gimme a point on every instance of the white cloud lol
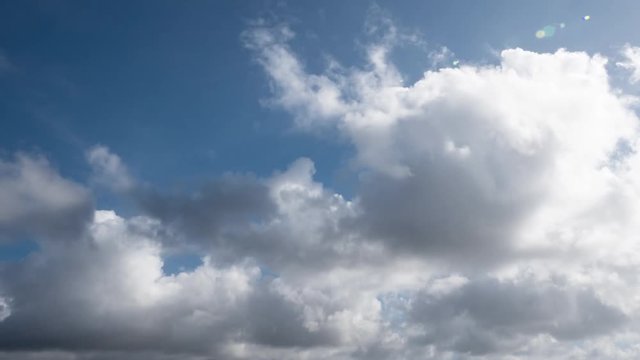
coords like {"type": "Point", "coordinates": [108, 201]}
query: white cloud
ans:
{"type": "Point", "coordinates": [631, 62]}
{"type": "Point", "coordinates": [486, 148]}
{"type": "Point", "coordinates": [442, 57]}
{"type": "Point", "coordinates": [310, 94]}
{"type": "Point", "coordinates": [496, 217]}
{"type": "Point", "coordinates": [109, 291]}
{"type": "Point", "coordinates": [108, 169]}
{"type": "Point", "coordinates": [504, 169]}
{"type": "Point", "coordinates": [112, 283]}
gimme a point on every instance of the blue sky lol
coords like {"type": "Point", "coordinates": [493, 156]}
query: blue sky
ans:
{"type": "Point", "coordinates": [320, 180]}
{"type": "Point", "coordinates": [172, 89]}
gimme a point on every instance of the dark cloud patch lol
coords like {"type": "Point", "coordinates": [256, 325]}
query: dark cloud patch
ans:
{"type": "Point", "coordinates": [106, 293]}
{"type": "Point", "coordinates": [284, 222]}
{"type": "Point", "coordinates": [75, 299]}
{"type": "Point", "coordinates": [489, 316]}
{"type": "Point", "coordinates": [227, 202]}
{"type": "Point", "coordinates": [461, 201]}
{"type": "Point", "coordinates": [35, 201]}
{"type": "Point", "coordinates": [275, 321]}
{"type": "Point", "coordinates": [437, 213]}
{"type": "Point", "coordinates": [97, 355]}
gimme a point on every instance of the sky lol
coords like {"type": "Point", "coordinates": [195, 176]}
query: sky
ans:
{"type": "Point", "coordinates": [319, 180]}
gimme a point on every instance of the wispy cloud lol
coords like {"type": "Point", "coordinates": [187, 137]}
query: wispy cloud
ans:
{"type": "Point", "coordinates": [631, 62]}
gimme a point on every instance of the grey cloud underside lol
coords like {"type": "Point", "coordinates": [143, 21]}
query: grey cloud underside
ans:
{"type": "Point", "coordinates": [91, 296]}
{"type": "Point", "coordinates": [94, 355]}
{"type": "Point", "coordinates": [439, 212]}
{"type": "Point", "coordinates": [487, 316]}
{"type": "Point", "coordinates": [240, 216]}
{"type": "Point", "coordinates": [104, 293]}
{"type": "Point", "coordinates": [224, 202]}
{"type": "Point", "coordinates": [98, 291]}
{"type": "Point", "coordinates": [37, 202]}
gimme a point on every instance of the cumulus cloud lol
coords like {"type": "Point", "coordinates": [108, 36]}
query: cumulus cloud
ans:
{"type": "Point", "coordinates": [461, 161]}
{"type": "Point", "coordinates": [488, 315]}
{"type": "Point", "coordinates": [495, 216]}
{"type": "Point", "coordinates": [528, 164]}
{"type": "Point", "coordinates": [288, 221]}
{"type": "Point", "coordinates": [107, 291]}
{"type": "Point", "coordinates": [104, 292]}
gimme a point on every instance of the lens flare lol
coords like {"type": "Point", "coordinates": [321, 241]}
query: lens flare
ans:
{"type": "Point", "coordinates": [549, 30]}
{"type": "Point", "coordinates": [586, 18]}
{"type": "Point", "coordinates": [545, 32]}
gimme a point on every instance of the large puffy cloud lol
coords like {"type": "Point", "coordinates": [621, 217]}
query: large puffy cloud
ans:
{"type": "Point", "coordinates": [107, 291]}
{"type": "Point", "coordinates": [525, 166]}
{"type": "Point", "coordinates": [470, 160]}
{"type": "Point", "coordinates": [104, 293]}
{"type": "Point", "coordinates": [483, 148]}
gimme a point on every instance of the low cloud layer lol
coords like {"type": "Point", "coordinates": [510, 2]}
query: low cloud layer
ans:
{"type": "Point", "coordinates": [495, 217]}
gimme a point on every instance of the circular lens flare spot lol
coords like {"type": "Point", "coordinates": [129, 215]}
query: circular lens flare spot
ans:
{"type": "Point", "coordinates": [549, 30]}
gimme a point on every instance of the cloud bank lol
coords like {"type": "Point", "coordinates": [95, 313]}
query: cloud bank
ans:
{"type": "Point", "coordinates": [495, 217]}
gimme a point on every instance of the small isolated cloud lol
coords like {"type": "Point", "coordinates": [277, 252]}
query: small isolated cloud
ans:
{"type": "Point", "coordinates": [108, 169]}
{"type": "Point", "coordinates": [311, 94]}
{"type": "Point", "coordinates": [442, 57]}
{"type": "Point", "coordinates": [631, 62]}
